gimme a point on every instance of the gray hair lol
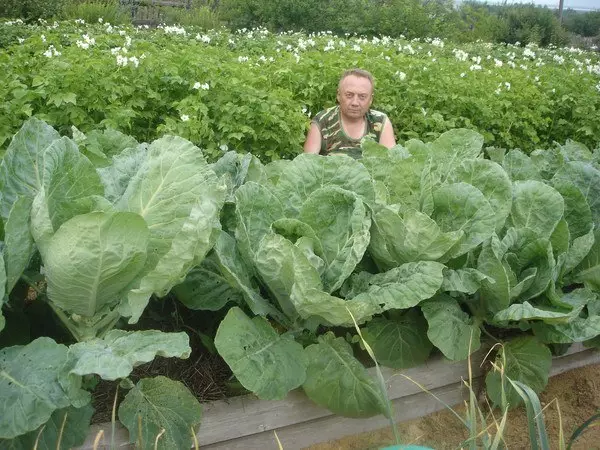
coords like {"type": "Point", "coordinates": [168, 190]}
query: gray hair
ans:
{"type": "Point", "coordinates": [357, 73]}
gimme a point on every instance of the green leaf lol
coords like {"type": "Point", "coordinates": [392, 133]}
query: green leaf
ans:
{"type": "Point", "coordinates": [197, 236]}
{"type": "Point", "coordinates": [109, 142]}
{"type": "Point", "coordinates": [281, 265]}
{"type": "Point", "coordinates": [307, 173]}
{"type": "Point", "coordinates": [527, 311]}
{"type": "Point", "coordinates": [577, 211]}
{"type": "Point", "coordinates": [256, 209]}
{"type": "Point", "coordinates": [116, 176]}
{"type": "Point", "coordinates": [527, 361]}
{"type": "Point", "coordinates": [495, 295]}
{"type": "Point", "coordinates": [547, 161]}
{"type": "Point", "coordinates": [491, 179]}
{"type": "Point", "coordinates": [575, 151]}
{"type": "Point", "coordinates": [71, 424]}
{"type": "Point", "coordinates": [238, 275]}
{"type": "Point", "coordinates": [560, 238]}
{"type": "Point", "coordinates": [403, 287]}
{"type": "Point", "coordinates": [172, 190]}
{"type": "Point", "coordinates": [264, 362]}
{"type": "Point", "coordinates": [457, 145]}
{"type": "Point", "coordinates": [20, 170]}
{"type": "Point", "coordinates": [450, 329]}
{"type": "Point", "coordinates": [411, 237]}
{"type": "Point", "coordinates": [18, 242]}
{"type": "Point", "coordinates": [339, 382]}
{"type": "Point", "coordinates": [157, 404]}
{"type": "Point", "coordinates": [344, 236]}
{"type": "Point", "coordinates": [118, 352]}
{"type": "Point", "coordinates": [536, 206]}
{"type": "Point", "coordinates": [30, 386]}
{"type": "Point", "coordinates": [3, 291]}
{"type": "Point", "coordinates": [535, 263]}
{"type": "Point", "coordinates": [462, 207]}
{"type": "Point", "coordinates": [33, 163]}
{"type": "Point", "coordinates": [92, 259]}
{"type": "Point", "coordinates": [520, 167]}
{"type": "Point", "coordinates": [578, 330]}
{"type": "Point", "coordinates": [580, 248]}
{"type": "Point", "coordinates": [467, 280]}
{"type": "Point", "coordinates": [205, 288]}
{"type": "Point", "coordinates": [399, 343]}
{"type": "Point", "coordinates": [587, 179]}
{"type": "Point", "coordinates": [588, 271]}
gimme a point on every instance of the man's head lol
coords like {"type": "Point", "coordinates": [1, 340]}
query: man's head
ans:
{"type": "Point", "coordinates": [355, 93]}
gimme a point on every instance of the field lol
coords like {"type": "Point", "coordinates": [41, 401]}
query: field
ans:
{"type": "Point", "coordinates": [253, 90]}
{"type": "Point", "coordinates": [152, 193]}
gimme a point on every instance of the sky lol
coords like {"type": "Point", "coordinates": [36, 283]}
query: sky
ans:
{"type": "Point", "coordinates": [573, 4]}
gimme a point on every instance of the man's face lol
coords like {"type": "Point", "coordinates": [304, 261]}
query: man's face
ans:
{"type": "Point", "coordinates": [355, 95]}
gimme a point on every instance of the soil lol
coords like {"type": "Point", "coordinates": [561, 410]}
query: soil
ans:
{"type": "Point", "coordinates": [576, 393]}
{"type": "Point", "coordinates": [204, 373]}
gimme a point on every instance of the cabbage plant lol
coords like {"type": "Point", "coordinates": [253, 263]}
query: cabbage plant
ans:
{"type": "Point", "coordinates": [110, 234]}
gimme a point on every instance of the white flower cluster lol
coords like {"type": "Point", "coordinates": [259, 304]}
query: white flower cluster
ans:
{"type": "Point", "coordinates": [330, 45]}
{"type": "Point", "coordinates": [558, 59]}
{"type": "Point", "coordinates": [175, 30]}
{"type": "Point", "coordinates": [204, 86]}
{"type": "Point", "coordinates": [80, 21]}
{"type": "Point", "coordinates": [407, 48]}
{"type": "Point", "coordinates": [595, 69]}
{"type": "Point", "coordinates": [51, 52]}
{"type": "Point", "coordinates": [499, 90]}
{"type": "Point", "coordinates": [14, 22]}
{"type": "Point", "coordinates": [528, 53]}
{"type": "Point", "coordinates": [86, 43]}
{"type": "Point", "coordinates": [123, 60]}
{"type": "Point", "coordinates": [437, 42]}
{"type": "Point", "coordinates": [460, 55]}
{"type": "Point", "coordinates": [203, 38]}
{"type": "Point", "coordinates": [242, 59]}
{"type": "Point", "coordinates": [497, 62]}
{"type": "Point", "coordinates": [400, 75]}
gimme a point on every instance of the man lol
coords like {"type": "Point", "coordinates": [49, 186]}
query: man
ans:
{"type": "Point", "coordinates": [341, 128]}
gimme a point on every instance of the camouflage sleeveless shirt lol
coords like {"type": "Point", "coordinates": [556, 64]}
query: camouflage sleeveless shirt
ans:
{"type": "Point", "coordinates": [333, 138]}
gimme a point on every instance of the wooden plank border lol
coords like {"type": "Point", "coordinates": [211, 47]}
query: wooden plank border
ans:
{"type": "Point", "coordinates": [248, 423]}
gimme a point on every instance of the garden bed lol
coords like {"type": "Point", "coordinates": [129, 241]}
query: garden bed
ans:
{"type": "Point", "coordinates": [248, 423]}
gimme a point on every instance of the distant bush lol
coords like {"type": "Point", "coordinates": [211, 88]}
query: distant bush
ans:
{"type": "Point", "coordinates": [201, 16]}
{"type": "Point", "coordinates": [585, 24]}
{"type": "Point", "coordinates": [531, 24]}
{"type": "Point", "coordinates": [30, 10]}
{"type": "Point", "coordinates": [90, 11]}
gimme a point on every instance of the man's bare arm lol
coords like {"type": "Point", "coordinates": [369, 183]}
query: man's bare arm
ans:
{"type": "Point", "coordinates": [312, 144]}
{"type": "Point", "coordinates": [387, 134]}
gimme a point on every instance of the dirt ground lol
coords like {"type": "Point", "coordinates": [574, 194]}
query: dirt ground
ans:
{"type": "Point", "coordinates": [576, 392]}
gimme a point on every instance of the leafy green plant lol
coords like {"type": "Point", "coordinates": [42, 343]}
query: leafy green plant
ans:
{"type": "Point", "coordinates": [109, 11]}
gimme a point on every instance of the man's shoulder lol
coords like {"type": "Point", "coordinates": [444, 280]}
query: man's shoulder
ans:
{"type": "Point", "coordinates": [377, 115]}
{"type": "Point", "coordinates": [326, 114]}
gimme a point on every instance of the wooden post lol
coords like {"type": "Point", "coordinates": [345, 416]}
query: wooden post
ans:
{"type": "Point", "coordinates": [560, 10]}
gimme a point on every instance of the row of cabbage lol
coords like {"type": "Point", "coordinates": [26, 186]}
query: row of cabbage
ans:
{"type": "Point", "coordinates": [424, 246]}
